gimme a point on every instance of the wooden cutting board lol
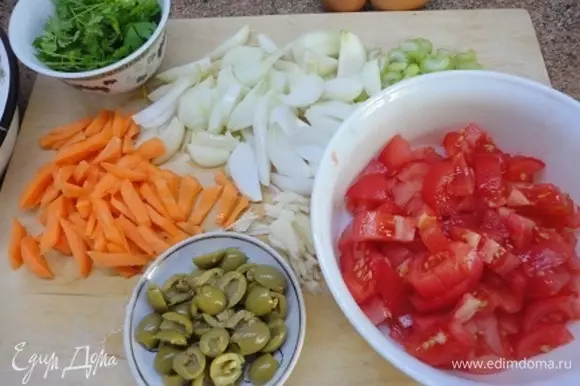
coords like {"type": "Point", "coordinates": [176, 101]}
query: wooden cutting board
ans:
{"type": "Point", "coordinates": [53, 320]}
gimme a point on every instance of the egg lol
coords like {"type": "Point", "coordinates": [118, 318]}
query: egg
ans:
{"type": "Point", "coordinates": [398, 5]}
{"type": "Point", "coordinates": [344, 5]}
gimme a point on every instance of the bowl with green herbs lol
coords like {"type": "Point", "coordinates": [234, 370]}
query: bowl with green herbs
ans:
{"type": "Point", "coordinates": [101, 46]}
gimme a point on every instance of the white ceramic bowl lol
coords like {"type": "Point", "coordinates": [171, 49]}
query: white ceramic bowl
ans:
{"type": "Point", "coordinates": [521, 115]}
{"type": "Point", "coordinates": [178, 259]}
{"type": "Point", "coordinates": [9, 116]}
{"type": "Point", "coordinates": [27, 22]}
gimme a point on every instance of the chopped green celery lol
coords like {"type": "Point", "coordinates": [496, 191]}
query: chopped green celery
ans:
{"type": "Point", "coordinates": [397, 55]}
{"type": "Point", "coordinates": [391, 77]}
{"type": "Point", "coordinates": [397, 66]}
{"type": "Point", "coordinates": [434, 63]}
{"type": "Point", "coordinates": [468, 66]}
{"type": "Point", "coordinates": [467, 56]}
{"type": "Point", "coordinates": [410, 46]}
{"type": "Point", "coordinates": [426, 45]}
{"type": "Point", "coordinates": [361, 98]}
{"type": "Point", "coordinates": [412, 70]}
{"type": "Point", "coordinates": [414, 50]}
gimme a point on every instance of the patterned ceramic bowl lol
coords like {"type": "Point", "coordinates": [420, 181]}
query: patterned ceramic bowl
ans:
{"type": "Point", "coordinates": [27, 22]}
{"type": "Point", "coordinates": [178, 259]}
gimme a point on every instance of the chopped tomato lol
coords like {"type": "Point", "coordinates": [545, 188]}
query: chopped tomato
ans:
{"type": "Point", "coordinates": [434, 189]}
{"type": "Point", "coordinates": [426, 153]}
{"type": "Point", "coordinates": [522, 169]}
{"type": "Point", "coordinates": [502, 297]}
{"type": "Point", "coordinates": [375, 310]}
{"type": "Point", "coordinates": [547, 282]}
{"type": "Point", "coordinates": [497, 257]}
{"type": "Point", "coordinates": [467, 236]}
{"type": "Point", "coordinates": [487, 327]}
{"type": "Point", "coordinates": [431, 233]}
{"type": "Point", "coordinates": [488, 172]}
{"type": "Point", "coordinates": [357, 272]}
{"type": "Point", "coordinates": [472, 303]}
{"type": "Point", "coordinates": [413, 171]}
{"type": "Point", "coordinates": [424, 323]}
{"type": "Point", "coordinates": [396, 153]}
{"type": "Point", "coordinates": [390, 286]}
{"type": "Point", "coordinates": [436, 347]}
{"type": "Point", "coordinates": [521, 230]}
{"type": "Point", "coordinates": [557, 309]}
{"type": "Point", "coordinates": [369, 192]}
{"type": "Point", "coordinates": [463, 183]}
{"type": "Point", "coordinates": [548, 199]}
{"type": "Point", "coordinates": [345, 240]}
{"type": "Point", "coordinates": [396, 253]}
{"type": "Point", "coordinates": [454, 143]}
{"type": "Point", "coordinates": [542, 340]}
{"type": "Point", "coordinates": [509, 324]}
{"type": "Point", "coordinates": [542, 257]}
{"type": "Point", "coordinates": [382, 226]}
{"type": "Point", "coordinates": [415, 205]}
{"type": "Point", "coordinates": [404, 191]}
{"type": "Point", "coordinates": [373, 167]}
{"type": "Point", "coordinates": [467, 221]}
{"type": "Point", "coordinates": [494, 226]}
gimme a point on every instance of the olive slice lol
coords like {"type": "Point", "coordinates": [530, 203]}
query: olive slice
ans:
{"type": "Point", "coordinates": [182, 308]}
{"type": "Point", "coordinates": [239, 317]}
{"type": "Point", "coordinates": [278, 333]}
{"type": "Point", "coordinates": [259, 301]}
{"type": "Point", "coordinates": [163, 361]}
{"type": "Point", "coordinates": [156, 299]}
{"type": "Point", "coordinates": [177, 290]}
{"type": "Point", "coordinates": [211, 321]}
{"type": "Point", "coordinates": [200, 326]}
{"type": "Point", "coordinates": [209, 260]}
{"type": "Point", "coordinates": [210, 300]}
{"type": "Point", "coordinates": [205, 278]}
{"type": "Point", "coordinates": [214, 342]}
{"type": "Point", "coordinates": [263, 369]}
{"type": "Point", "coordinates": [234, 285]}
{"type": "Point", "coordinates": [189, 363]}
{"type": "Point", "coordinates": [251, 336]}
{"type": "Point", "coordinates": [280, 309]}
{"type": "Point", "coordinates": [233, 259]}
{"type": "Point", "coordinates": [172, 337]}
{"type": "Point", "coordinates": [225, 315]}
{"type": "Point", "coordinates": [146, 330]}
{"type": "Point", "coordinates": [202, 380]}
{"type": "Point", "coordinates": [177, 322]}
{"type": "Point", "coordinates": [244, 268]}
{"type": "Point", "coordinates": [226, 369]}
{"type": "Point", "coordinates": [270, 277]}
{"type": "Point", "coordinates": [173, 380]}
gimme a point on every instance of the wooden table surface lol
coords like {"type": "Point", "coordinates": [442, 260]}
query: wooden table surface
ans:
{"type": "Point", "coordinates": [48, 327]}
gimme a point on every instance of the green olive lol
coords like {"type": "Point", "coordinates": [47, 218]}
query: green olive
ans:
{"type": "Point", "coordinates": [270, 277]}
{"type": "Point", "coordinates": [193, 310]}
{"type": "Point", "coordinates": [233, 259]}
{"type": "Point", "coordinates": [251, 336]}
{"type": "Point", "coordinates": [210, 300]}
{"type": "Point", "coordinates": [211, 321]}
{"type": "Point", "coordinates": [177, 322]}
{"type": "Point", "coordinates": [226, 369]}
{"type": "Point", "coordinates": [260, 301]}
{"type": "Point", "coordinates": [208, 277]}
{"type": "Point", "coordinates": [163, 362]}
{"type": "Point", "coordinates": [244, 268]}
{"type": "Point", "coordinates": [202, 380]}
{"type": "Point", "coordinates": [182, 308]}
{"type": "Point", "coordinates": [263, 369]}
{"type": "Point", "coordinates": [278, 333]}
{"type": "Point", "coordinates": [189, 363]}
{"type": "Point", "coordinates": [234, 285]}
{"type": "Point", "coordinates": [173, 380]}
{"type": "Point", "coordinates": [146, 330]}
{"type": "Point", "coordinates": [156, 298]}
{"type": "Point", "coordinates": [234, 349]}
{"type": "Point", "coordinates": [214, 342]}
{"type": "Point", "coordinates": [209, 260]}
{"type": "Point", "coordinates": [239, 317]}
{"type": "Point", "coordinates": [172, 337]}
{"type": "Point", "coordinates": [225, 315]}
{"type": "Point", "coordinates": [281, 309]}
{"type": "Point", "coordinates": [177, 290]}
{"type": "Point", "coordinates": [200, 326]}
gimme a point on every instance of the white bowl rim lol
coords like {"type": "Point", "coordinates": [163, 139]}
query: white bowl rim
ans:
{"type": "Point", "coordinates": [127, 337]}
{"type": "Point", "coordinates": [165, 11]}
{"type": "Point", "coordinates": [320, 202]}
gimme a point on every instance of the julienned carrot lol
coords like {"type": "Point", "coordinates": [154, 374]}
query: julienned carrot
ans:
{"type": "Point", "coordinates": [107, 221]}
{"type": "Point", "coordinates": [109, 260]}
{"type": "Point", "coordinates": [164, 223]}
{"type": "Point", "coordinates": [189, 228]}
{"type": "Point", "coordinates": [173, 181]}
{"type": "Point", "coordinates": [111, 152]}
{"type": "Point", "coordinates": [52, 232]}
{"type": "Point", "coordinates": [127, 147]}
{"type": "Point", "coordinates": [120, 124]}
{"type": "Point", "coordinates": [35, 189]}
{"type": "Point", "coordinates": [91, 224]}
{"type": "Point", "coordinates": [157, 243]}
{"type": "Point", "coordinates": [151, 149]}
{"type": "Point", "coordinates": [83, 206]}
{"type": "Point", "coordinates": [63, 133]}
{"type": "Point", "coordinates": [50, 194]}
{"type": "Point", "coordinates": [128, 272]}
{"type": "Point", "coordinates": [100, 242]}
{"type": "Point", "coordinates": [121, 172]}
{"type": "Point", "coordinates": [129, 161]}
{"type": "Point", "coordinates": [81, 171]}
{"type": "Point", "coordinates": [79, 151]}
{"type": "Point", "coordinates": [133, 130]}
{"type": "Point", "coordinates": [132, 233]}
{"type": "Point", "coordinates": [109, 184]}
{"type": "Point", "coordinates": [93, 177]}
{"type": "Point", "coordinates": [78, 137]}
{"type": "Point", "coordinates": [134, 203]}
{"type": "Point", "coordinates": [77, 247]}
{"type": "Point", "coordinates": [227, 203]}
{"type": "Point", "coordinates": [122, 208]}
{"type": "Point", "coordinates": [98, 122]}
{"type": "Point", "coordinates": [189, 188]}
{"type": "Point", "coordinates": [33, 259]}
{"type": "Point", "coordinates": [221, 179]}
{"type": "Point", "coordinates": [63, 247]}
{"type": "Point", "coordinates": [73, 191]}
{"type": "Point", "coordinates": [168, 200]}
{"type": "Point", "coordinates": [240, 207]}
{"type": "Point", "coordinates": [14, 253]}
{"type": "Point", "coordinates": [150, 196]}
{"type": "Point", "coordinates": [63, 175]}
{"type": "Point", "coordinates": [114, 248]}
{"type": "Point", "coordinates": [207, 199]}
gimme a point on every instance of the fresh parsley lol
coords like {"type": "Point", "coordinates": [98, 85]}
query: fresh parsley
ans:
{"type": "Point", "coordinates": [85, 35]}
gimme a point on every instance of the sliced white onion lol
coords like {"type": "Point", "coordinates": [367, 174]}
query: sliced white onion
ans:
{"type": "Point", "coordinates": [333, 109]}
{"type": "Point", "coordinates": [226, 141]}
{"type": "Point", "coordinates": [344, 89]}
{"type": "Point", "coordinates": [301, 186]}
{"type": "Point", "coordinates": [243, 114]}
{"type": "Point", "coordinates": [278, 81]}
{"type": "Point", "coordinates": [203, 66]}
{"type": "Point", "coordinates": [172, 137]}
{"type": "Point", "coordinates": [243, 169]}
{"type": "Point", "coordinates": [226, 80]}
{"type": "Point", "coordinates": [242, 55]}
{"type": "Point", "coordinates": [371, 77]}
{"type": "Point", "coordinates": [223, 108]}
{"type": "Point", "coordinates": [196, 103]}
{"type": "Point", "coordinates": [159, 92]}
{"type": "Point", "coordinates": [261, 137]}
{"type": "Point", "coordinates": [240, 38]}
{"type": "Point", "coordinates": [324, 42]}
{"type": "Point", "coordinates": [314, 63]}
{"type": "Point", "coordinates": [162, 118]}
{"type": "Point", "coordinates": [288, 67]}
{"type": "Point", "coordinates": [322, 122]}
{"type": "Point", "coordinates": [285, 117]}
{"type": "Point", "coordinates": [266, 43]}
{"type": "Point", "coordinates": [283, 157]}
{"type": "Point", "coordinates": [352, 56]}
{"type": "Point", "coordinates": [305, 92]}
{"type": "Point", "coordinates": [250, 74]}
{"type": "Point", "coordinates": [311, 153]}
{"type": "Point", "coordinates": [207, 157]}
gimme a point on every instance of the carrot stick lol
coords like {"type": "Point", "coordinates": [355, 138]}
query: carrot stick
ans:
{"type": "Point", "coordinates": [129, 161]}
{"type": "Point", "coordinates": [77, 246]}
{"type": "Point", "coordinates": [79, 151]}
{"type": "Point", "coordinates": [128, 272]}
{"type": "Point", "coordinates": [63, 247]}
{"type": "Point", "coordinates": [132, 232]}
{"type": "Point", "coordinates": [151, 197]}
{"type": "Point", "coordinates": [36, 187]}
{"type": "Point", "coordinates": [188, 192]}
{"type": "Point", "coordinates": [91, 223]}
{"type": "Point", "coordinates": [128, 146]}
{"type": "Point", "coordinates": [98, 122]}
{"type": "Point", "coordinates": [83, 206]}
{"type": "Point", "coordinates": [111, 152]}
{"type": "Point", "coordinates": [133, 201]}
{"type": "Point", "coordinates": [168, 200]}
{"type": "Point", "coordinates": [149, 168]}
{"type": "Point", "coordinates": [121, 172]}
{"type": "Point", "coordinates": [100, 243]}
{"type": "Point", "coordinates": [78, 137]}
{"type": "Point", "coordinates": [50, 194]}
{"type": "Point", "coordinates": [173, 181]}
{"type": "Point", "coordinates": [227, 202]}
{"type": "Point", "coordinates": [150, 149]}
{"type": "Point", "coordinates": [14, 253]}
{"type": "Point", "coordinates": [73, 191]}
{"type": "Point", "coordinates": [122, 208]}
{"type": "Point", "coordinates": [81, 171]}
{"type": "Point", "coordinates": [43, 216]}
{"type": "Point", "coordinates": [93, 177]}
{"type": "Point", "coordinates": [207, 199]}
{"type": "Point", "coordinates": [164, 223]}
{"type": "Point", "coordinates": [157, 243]}
{"type": "Point", "coordinates": [112, 233]}
{"type": "Point", "coordinates": [109, 184]}
{"type": "Point", "coordinates": [189, 228]}
{"type": "Point", "coordinates": [52, 231]}
{"type": "Point", "coordinates": [114, 248]}
{"type": "Point", "coordinates": [63, 175]}
{"type": "Point", "coordinates": [222, 179]}
{"type": "Point", "coordinates": [109, 260]}
{"type": "Point", "coordinates": [240, 207]}
{"type": "Point", "coordinates": [120, 124]}
{"type": "Point", "coordinates": [33, 259]}
{"type": "Point", "coordinates": [133, 130]}
{"type": "Point", "coordinates": [69, 206]}
{"type": "Point", "coordinates": [63, 133]}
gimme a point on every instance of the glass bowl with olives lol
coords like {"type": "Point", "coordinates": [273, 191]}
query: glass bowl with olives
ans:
{"type": "Point", "coordinates": [217, 309]}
